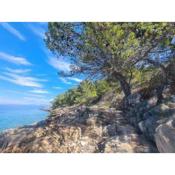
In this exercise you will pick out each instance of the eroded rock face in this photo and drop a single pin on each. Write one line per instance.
(154, 121)
(77, 130)
(165, 136)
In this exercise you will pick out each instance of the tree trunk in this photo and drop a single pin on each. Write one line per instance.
(160, 88)
(163, 83)
(125, 86)
(159, 92)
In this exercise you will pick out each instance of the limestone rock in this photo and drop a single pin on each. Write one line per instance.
(165, 137)
(77, 130)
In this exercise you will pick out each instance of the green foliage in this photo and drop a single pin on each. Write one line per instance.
(85, 93)
(109, 50)
(102, 86)
(128, 53)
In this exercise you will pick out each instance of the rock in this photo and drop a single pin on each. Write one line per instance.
(173, 98)
(77, 130)
(152, 119)
(146, 116)
(131, 143)
(165, 136)
(112, 130)
(141, 126)
(118, 145)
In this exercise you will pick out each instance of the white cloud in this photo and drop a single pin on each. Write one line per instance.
(21, 79)
(39, 91)
(14, 59)
(74, 79)
(37, 30)
(13, 31)
(22, 93)
(64, 80)
(59, 64)
(67, 80)
(18, 71)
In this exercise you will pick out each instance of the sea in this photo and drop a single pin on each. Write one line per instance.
(12, 116)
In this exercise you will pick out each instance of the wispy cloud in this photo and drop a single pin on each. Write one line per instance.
(21, 80)
(59, 64)
(24, 98)
(74, 79)
(18, 71)
(39, 91)
(14, 59)
(67, 80)
(64, 80)
(13, 31)
(37, 29)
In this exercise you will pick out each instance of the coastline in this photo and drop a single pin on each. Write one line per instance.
(14, 116)
(76, 130)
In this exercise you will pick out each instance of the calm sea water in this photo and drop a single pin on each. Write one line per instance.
(12, 116)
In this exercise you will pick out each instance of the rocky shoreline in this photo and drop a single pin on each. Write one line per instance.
(139, 126)
(77, 130)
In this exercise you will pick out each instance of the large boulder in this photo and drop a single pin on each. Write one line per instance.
(154, 121)
(165, 136)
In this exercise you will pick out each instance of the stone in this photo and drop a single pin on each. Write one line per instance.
(115, 145)
(150, 119)
(76, 130)
(165, 136)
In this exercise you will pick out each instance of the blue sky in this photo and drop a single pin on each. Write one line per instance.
(28, 70)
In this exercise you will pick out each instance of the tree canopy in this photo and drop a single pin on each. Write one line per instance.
(113, 51)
